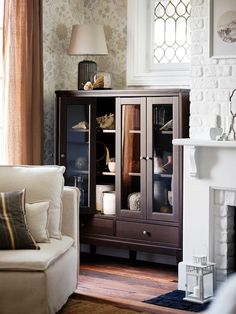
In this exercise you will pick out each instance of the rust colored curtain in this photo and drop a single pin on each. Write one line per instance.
(23, 81)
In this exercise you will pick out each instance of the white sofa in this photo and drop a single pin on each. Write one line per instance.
(40, 281)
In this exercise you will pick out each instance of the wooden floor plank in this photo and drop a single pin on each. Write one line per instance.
(117, 282)
(132, 304)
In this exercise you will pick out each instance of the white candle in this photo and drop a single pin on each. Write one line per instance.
(196, 291)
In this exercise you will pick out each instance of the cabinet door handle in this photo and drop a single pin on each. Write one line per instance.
(141, 157)
(148, 158)
(145, 232)
(63, 155)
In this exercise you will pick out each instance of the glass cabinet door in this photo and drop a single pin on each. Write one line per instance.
(161, 177)
(131, 147)
(77, 149)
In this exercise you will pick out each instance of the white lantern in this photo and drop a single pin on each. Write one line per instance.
(200, 280)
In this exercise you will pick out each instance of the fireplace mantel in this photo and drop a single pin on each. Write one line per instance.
(209, 187)
(203, 143)
(193, 144)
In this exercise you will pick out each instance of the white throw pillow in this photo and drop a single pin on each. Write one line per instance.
(42, 183)
(37, 220)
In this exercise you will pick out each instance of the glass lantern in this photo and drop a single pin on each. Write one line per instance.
(200, 280)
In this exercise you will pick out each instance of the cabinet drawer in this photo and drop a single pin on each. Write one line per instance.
(168, 235)
(98, 226)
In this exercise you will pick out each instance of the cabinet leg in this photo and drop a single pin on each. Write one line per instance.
(132, 257)
(93, 250)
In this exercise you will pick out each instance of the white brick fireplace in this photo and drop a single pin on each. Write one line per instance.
(209, 204)
(209, 166)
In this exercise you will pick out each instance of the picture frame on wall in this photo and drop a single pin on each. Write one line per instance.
(222, 29)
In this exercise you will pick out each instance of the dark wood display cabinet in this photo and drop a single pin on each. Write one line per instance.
(117, 148)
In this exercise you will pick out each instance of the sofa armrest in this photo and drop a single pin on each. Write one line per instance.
(70, 213)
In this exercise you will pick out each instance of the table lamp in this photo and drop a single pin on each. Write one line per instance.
(87, 40)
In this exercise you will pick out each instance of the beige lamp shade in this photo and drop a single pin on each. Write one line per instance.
(88, 40)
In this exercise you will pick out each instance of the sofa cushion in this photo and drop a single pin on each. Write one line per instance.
(42, 183)
(14, 232)
(35, 260)
(37, 220)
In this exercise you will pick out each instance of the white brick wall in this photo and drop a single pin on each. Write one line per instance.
(224, 210)
(212, 79)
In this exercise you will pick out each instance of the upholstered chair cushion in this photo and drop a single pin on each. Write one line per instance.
(42, 183)
(37, 220)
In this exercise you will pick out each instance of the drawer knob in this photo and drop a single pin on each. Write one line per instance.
(62, 155)
(145, 232)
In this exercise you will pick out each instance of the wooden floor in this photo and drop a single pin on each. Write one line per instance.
(119, 283)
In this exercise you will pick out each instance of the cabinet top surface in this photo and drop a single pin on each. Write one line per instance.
(121, 92)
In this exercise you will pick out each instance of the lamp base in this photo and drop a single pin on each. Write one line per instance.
(86, 70)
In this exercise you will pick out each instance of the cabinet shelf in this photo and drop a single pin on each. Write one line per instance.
(107, 173)
(78, 143)
(108, 131)
(79, 130)
(75, 171)
(163, 175)
(135, 131)
(135, 174)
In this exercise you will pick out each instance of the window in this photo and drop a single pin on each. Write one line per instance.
(158, 48)
(1, 83)
(171, 31)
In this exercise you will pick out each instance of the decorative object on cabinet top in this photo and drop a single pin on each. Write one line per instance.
(98, 84)
(106, 79)
(101, 80)
(88, 86)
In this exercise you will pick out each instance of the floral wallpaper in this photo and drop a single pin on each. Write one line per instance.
(60, 69)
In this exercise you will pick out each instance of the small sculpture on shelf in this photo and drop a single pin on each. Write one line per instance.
(226, 136)
(160, 167)
(167, 126)
(134, 201)
(106, 122)
(112, 165)
(83, 125)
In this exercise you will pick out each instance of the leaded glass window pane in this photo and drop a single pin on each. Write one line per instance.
(171, 31)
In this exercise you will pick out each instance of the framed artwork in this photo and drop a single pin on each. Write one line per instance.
(223, 28)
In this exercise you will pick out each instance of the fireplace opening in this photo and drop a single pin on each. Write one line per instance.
(234, 238)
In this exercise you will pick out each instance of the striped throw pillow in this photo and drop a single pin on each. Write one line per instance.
(14, 233)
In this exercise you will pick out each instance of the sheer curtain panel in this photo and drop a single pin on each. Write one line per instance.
(23, 81)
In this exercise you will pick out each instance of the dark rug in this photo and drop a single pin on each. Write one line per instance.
(175, 300)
